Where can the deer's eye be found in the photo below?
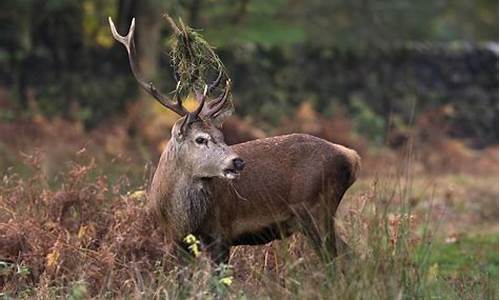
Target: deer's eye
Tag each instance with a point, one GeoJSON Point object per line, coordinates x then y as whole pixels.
{"type": "Point", "coordinates": [200, 140]}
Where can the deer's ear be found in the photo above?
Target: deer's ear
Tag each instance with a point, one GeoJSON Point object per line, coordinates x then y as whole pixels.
{"type": "Point", "coordinates": [220, 118]}
{"type": "Point", "coordinates": [178, 135]}
{"type": "Point", "coordinates": [178, 131]}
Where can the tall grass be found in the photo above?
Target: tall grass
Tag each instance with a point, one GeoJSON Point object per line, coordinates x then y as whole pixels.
{"type": "Point", "coordinates": [85, 236]}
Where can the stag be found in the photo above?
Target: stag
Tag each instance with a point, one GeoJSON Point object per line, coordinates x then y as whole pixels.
{"type": "Point", "coordinates": [246, 194]}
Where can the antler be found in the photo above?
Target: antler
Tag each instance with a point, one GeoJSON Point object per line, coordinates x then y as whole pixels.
{"type": "Point", "coordinates": [193, 116]}
{"type": "Point", "coordinates": [196, 58]}
{"type": "Point", "coordinates": [215, 106]}
{"type": "Point", "coordinates": [128, 42]}
{"type": "Point", "coordinates": [210, 111]}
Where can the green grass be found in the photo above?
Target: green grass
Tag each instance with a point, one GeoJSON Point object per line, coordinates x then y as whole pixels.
{"type": "Point", "coordinates": [465, 269]}
{"type": "Point", "coordinates": [478, 253]}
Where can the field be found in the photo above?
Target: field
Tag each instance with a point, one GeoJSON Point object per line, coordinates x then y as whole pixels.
{"type": "Point", "coordinates": [74, 223]}
{"type": "Point", "coordinates": [412, 86]}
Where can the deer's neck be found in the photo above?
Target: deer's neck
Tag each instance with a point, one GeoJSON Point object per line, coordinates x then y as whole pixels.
{"type": "Point", "coordinates": [192, 200]}
{"type": "Point", "coordinates": [182, 199]}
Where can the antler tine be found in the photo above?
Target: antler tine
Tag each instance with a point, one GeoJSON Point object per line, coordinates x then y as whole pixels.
{"type": "Point", "coordinates": [218, 104]}
{"type": "Point", "coordinates": [202, 101]}
{"type": "Point", "coordinates": [128, 42]}
{"type": "Point", "coordinates": [177, 95]}
{"type": "Point", "coordinates": [194, 116]}
{"type": "Point", "coordinates": [216, 82]}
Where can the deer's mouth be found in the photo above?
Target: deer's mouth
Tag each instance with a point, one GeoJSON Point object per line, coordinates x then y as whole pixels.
{"type": "Point", "coordinates": [230, 173]}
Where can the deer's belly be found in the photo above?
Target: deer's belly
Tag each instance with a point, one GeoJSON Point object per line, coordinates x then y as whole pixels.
{"type": "Point", "coordinates": [262, 230]}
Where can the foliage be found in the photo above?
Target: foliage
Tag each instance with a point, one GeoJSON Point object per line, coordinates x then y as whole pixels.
{"type": "Point", "coordinates": [402, 82]}
{"type": "Point", "coordinates": [56, 56]}
{"type": "Point", "coordinates": [279, 53]}
{"type": "Point", "coordinates": [88, 236]}
{"type": "Point", "coordinates": [367, 24]}
{"type": "Point", "coordinates": [367, 122]}
{"type": "Point", "coordinates": [74, 222]}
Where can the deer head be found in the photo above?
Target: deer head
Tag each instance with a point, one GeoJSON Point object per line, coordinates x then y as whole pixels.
{"type": "Point", "coordinates": [196, 142]}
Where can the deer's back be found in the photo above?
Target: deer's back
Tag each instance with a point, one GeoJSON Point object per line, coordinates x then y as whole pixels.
{"type": "Point", "coordinates": [284, 174]}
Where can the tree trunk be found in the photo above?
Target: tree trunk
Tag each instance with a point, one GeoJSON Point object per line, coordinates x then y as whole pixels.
{"type": "Point", "coordinates": [148, 44]}
{"type": "Point", "coordinates": [194, 13]}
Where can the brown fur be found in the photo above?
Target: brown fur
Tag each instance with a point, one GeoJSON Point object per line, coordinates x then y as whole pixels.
{"type": "Point", "coordinates": [290, 183]}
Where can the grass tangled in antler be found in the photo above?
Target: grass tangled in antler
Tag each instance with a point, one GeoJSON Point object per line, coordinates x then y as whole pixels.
{"type": "Point", "coordinates": [195, 62]}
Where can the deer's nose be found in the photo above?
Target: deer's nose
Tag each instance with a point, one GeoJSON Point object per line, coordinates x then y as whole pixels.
{"type": "Point", "coordinates": [238, 164]}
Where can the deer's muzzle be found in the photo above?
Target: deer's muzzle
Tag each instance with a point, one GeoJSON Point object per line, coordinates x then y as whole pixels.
{"type": "Point", "coordinates": [237, 166]}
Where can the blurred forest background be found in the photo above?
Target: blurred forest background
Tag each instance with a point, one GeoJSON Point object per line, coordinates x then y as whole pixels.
{"type": "Point", "coordinates": [407, 84]}
{"type": "Point", "coordinates": [380, 64]}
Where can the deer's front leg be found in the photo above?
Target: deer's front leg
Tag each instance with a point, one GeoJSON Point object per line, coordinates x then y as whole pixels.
{"type": "Point", "coordinates": [218, 250]}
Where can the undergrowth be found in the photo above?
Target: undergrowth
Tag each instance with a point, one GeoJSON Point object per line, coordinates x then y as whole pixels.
{"type": "Point", "coordinates": [86, 236]}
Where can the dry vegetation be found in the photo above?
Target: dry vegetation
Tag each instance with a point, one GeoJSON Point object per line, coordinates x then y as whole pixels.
{"type": "Point", "coordinates": [74, 223]}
